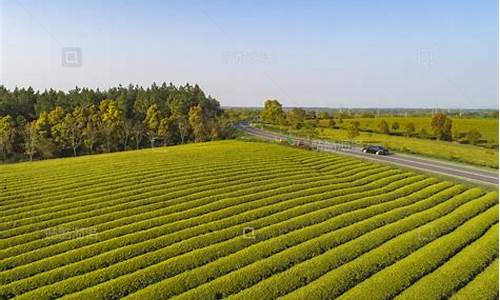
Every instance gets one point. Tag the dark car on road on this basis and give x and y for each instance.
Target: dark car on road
(379, 150)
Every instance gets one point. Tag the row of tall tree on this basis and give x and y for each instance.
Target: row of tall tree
(298, 118)
(441, 126)
(56, 123)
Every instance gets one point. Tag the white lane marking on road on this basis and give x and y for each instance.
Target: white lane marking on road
(390, 158)
(413, 167)
(443, 167)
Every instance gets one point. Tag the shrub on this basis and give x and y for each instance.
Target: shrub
(482, 287)
(305, 273)
(351, 273)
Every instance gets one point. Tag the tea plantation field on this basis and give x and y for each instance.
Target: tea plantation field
(241, 220)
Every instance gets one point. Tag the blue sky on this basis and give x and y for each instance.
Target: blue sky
(303, 53)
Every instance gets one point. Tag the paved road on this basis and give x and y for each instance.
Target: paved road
(423, 164)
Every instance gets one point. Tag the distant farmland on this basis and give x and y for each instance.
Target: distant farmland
(487, 127)
(485, 154)
(241, 220)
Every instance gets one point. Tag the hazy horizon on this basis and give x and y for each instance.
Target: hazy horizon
(356, 54)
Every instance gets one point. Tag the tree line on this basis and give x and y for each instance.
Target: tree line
(308, 121)
(50, 123)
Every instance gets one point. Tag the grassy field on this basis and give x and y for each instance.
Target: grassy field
(487, 127)
(470, 154)
(241, 220)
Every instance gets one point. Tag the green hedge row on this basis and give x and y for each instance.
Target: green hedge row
(82, 197)
(38, 238)
(154, 169)
(75, 172)
(175, 182)
(194, 258)
(247, 276)
(315, 216)
(49, 202)
(64, 186)
(77, 195)
(181, 211)
(266, 258)
(210, 197)
(348, 274)
(189, 245)
(456, 272)
(144, 235)
(483, 287)
(310, 270)
(70, 177)
(57, 185)
(141, 198)
(116, 200)
(238, 182)
(112, 180)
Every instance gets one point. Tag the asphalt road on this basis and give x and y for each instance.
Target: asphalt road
(428, 165)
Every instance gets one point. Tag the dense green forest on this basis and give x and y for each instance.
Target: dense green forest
(50, 123)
